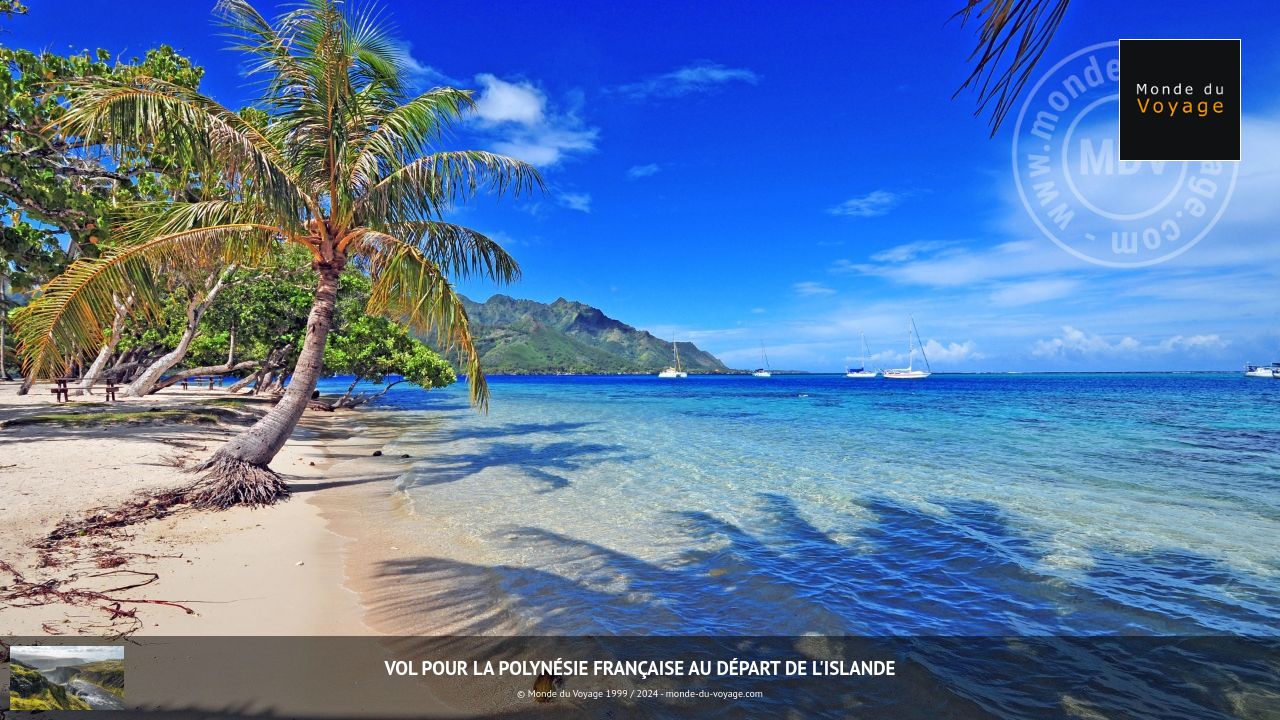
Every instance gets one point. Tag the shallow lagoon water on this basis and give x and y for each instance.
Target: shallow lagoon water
(972, 505)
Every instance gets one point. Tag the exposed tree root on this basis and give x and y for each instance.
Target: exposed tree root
(142, 507)
(228, 482)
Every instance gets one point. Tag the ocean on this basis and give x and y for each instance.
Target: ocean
(958, 505)
(980, 506)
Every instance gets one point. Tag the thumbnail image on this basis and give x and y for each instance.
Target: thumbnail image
(66, 677)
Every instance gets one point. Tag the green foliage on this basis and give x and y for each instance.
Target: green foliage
(372, 348)
(106, 674)
(337, 158)
(55, 180)
(29, 690)
(9, 8)
(267, 309)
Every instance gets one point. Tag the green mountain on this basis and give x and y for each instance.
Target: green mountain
(523, 337)
(106, 674)
(29, 690)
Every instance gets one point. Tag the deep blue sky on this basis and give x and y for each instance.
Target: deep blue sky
(696, 152)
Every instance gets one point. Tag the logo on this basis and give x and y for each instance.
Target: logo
(1180, 99)
(1082, 196)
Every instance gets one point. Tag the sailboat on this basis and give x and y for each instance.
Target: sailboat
(766, 370)
(861, 371)
(909, 372)
(676, 371)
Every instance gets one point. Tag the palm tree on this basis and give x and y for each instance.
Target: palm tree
(336, 157)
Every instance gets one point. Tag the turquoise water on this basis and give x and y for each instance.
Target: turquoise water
(972, 505)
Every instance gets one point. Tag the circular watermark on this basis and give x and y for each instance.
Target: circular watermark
(1082, 196)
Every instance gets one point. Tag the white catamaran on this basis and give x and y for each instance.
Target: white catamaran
(676, 371)
(1263, 371)
(861, 371)
(909, 372)
(765, 371)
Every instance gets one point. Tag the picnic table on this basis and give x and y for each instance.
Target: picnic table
(60, 389)
(63, 393)
(200, 380)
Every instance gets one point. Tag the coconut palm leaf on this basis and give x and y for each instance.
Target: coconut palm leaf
(1013, 36)
(408, 287)
(65, 321)
(460, 252)
(429, 185)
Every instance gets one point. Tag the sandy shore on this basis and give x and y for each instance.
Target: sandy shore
(269, 571)
(312, 567)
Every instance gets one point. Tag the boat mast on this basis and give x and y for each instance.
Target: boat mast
(764, 356)
(911, 349)
(676, 348)
(921, 344)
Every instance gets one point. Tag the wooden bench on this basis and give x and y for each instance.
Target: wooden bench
(110, 390)
(60, 389)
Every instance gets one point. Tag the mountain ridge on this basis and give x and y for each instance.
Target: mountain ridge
(525, 337)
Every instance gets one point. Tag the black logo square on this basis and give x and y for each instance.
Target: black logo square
(1180, 100)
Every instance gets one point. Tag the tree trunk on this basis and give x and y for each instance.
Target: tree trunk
(237, 472)
(4, 324)
(145, 384)
(347, 402)
(205, 371)
(264, 382)
(108, 348)
(347, 395)
(27, 381)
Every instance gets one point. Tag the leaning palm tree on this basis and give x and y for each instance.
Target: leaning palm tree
(336, 156)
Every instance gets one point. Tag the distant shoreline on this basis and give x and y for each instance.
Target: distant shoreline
(807, 373)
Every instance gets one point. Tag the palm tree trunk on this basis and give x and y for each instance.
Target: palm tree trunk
(237, 472)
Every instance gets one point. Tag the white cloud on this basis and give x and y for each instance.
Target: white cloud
(424, 75)
(910, 251)
(517, 117)
(696, 77)
(575, 201)
(810, 288)
(1031, 292)
(952, 352)
(643, 171)
(1078, 342)
(501, 101)
(873, 204)
(758, 311)
(36, 653)
(1194, 342)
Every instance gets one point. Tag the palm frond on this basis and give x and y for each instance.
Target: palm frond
(141, 113)
(409, 288)
(255, 36)
(458, 251)
(406, 132)
(427, 186)
(66, 320)
(1013, 37)
(141, 221)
